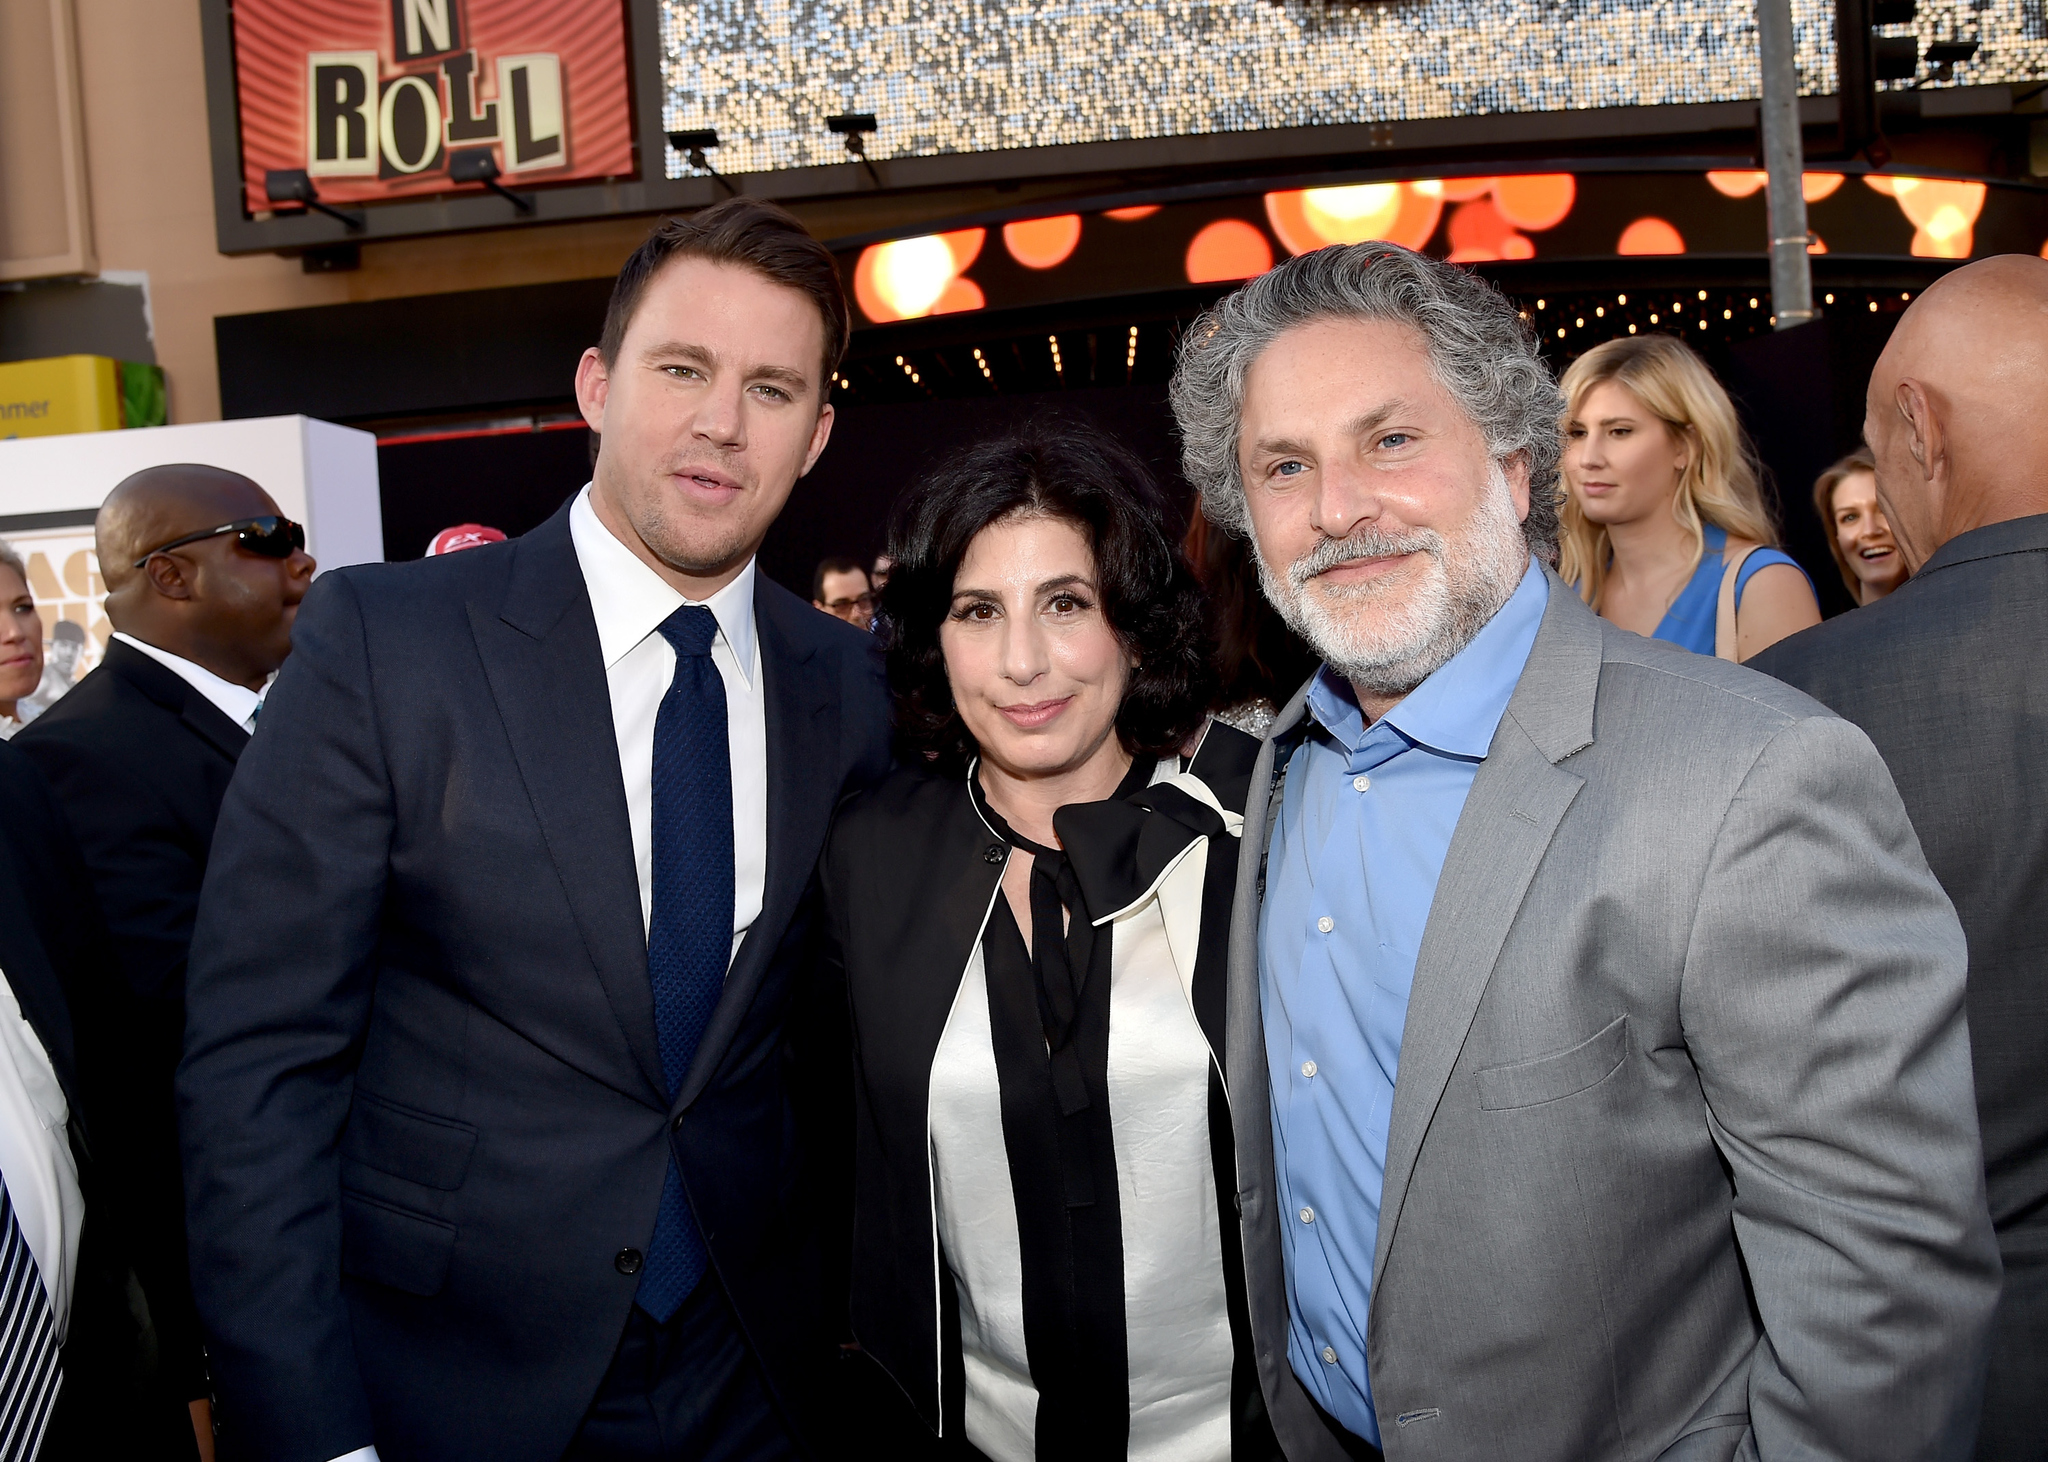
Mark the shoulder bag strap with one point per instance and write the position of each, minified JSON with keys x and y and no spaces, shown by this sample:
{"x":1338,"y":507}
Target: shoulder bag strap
{"x":1724,"y":612}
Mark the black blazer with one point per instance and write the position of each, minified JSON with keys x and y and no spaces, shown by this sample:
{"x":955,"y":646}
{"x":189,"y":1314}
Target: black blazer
{"x":57,"y":959}
{"x":1948,"y":676}
{"x":140,"y":761}
{"x":422,"y":1101}
{"x":911,"y":872}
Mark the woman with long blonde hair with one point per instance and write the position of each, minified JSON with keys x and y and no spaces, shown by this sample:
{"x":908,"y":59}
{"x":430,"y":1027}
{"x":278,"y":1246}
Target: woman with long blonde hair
{"x":1665,"y":528}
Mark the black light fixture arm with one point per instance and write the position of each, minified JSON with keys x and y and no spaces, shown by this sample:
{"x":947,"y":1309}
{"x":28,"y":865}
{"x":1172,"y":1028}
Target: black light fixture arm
{"x":692,"y":145}
{"x":853,"y":126}
{"x":295,"y":185}
{"x":480,"y":165}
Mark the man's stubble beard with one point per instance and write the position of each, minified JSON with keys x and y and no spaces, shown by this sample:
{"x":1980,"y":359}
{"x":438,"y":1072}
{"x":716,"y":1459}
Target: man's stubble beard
{"x":700,"y":546}
{"x":1387,"y":639}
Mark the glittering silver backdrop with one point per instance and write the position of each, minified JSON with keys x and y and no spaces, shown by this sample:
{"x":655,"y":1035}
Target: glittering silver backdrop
{"x":949,"y":76}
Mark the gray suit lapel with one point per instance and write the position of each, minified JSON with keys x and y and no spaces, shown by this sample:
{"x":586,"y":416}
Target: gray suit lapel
{"x":1517,"y":801}
{"x":1301,"y":1432}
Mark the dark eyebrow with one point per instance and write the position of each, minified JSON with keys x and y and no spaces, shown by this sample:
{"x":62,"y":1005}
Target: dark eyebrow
{"x":669,"y":350}
{"x":1049,"y":586}
{"x":783,"y":375}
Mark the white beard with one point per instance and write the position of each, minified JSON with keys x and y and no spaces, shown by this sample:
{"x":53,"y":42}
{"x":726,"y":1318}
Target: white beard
{"x":1385,"y":638}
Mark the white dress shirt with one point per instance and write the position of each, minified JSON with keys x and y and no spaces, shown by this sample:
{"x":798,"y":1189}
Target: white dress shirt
{"x":630,"y":600}
{"x":35,"y":1156}
{"x":237,"y":702}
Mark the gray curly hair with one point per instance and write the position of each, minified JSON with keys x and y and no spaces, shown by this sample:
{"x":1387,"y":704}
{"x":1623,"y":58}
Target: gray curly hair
{"x":1481,"y":350}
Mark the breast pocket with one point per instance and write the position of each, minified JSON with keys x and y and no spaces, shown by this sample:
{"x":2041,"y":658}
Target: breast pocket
{"x":416,"y":1146}
{"x":1556,"y":1076}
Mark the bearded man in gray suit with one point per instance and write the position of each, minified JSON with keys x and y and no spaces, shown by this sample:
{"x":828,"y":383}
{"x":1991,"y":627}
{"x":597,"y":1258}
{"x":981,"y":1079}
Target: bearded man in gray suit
{"x":1597,"y":1045}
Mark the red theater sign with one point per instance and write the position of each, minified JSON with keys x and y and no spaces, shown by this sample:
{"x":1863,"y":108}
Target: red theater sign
{"x":373,"y":97}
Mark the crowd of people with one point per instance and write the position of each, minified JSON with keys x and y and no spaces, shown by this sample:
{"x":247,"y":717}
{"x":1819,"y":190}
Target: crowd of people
{"x":1449,"y":958}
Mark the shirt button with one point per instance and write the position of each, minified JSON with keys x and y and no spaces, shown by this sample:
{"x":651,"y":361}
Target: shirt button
{"x":1308,"y":1215}
{"x":1308,"y":1068}
{"x":1361,"y":784}
{"x":1329,"y":1355}
{"x":1326,"y":924}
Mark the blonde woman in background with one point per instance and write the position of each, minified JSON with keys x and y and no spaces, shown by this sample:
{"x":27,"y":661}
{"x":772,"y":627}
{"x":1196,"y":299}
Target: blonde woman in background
{"x":21,"y":642}
{"x":1864,"y":549}
{"x":1665,"y":528}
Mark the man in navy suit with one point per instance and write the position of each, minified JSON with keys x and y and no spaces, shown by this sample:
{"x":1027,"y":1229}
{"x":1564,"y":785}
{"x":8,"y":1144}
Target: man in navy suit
{"x":493,"y":1100}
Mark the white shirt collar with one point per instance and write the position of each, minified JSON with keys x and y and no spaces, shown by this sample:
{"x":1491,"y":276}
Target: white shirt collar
{"x":237,"y":702}
{"x":630,"y":600}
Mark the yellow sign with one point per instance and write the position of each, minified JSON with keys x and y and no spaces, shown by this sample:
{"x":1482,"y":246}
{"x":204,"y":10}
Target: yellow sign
{"x":66,"y":393}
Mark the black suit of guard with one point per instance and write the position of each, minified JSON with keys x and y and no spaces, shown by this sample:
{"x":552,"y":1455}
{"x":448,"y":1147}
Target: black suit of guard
{"x":140,"y":760}
{"x":422,"y":1106}
{"x":54,"y":951}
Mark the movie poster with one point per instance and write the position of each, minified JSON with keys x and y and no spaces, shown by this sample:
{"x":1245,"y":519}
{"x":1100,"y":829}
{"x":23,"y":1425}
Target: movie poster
{"x":372,"y":98}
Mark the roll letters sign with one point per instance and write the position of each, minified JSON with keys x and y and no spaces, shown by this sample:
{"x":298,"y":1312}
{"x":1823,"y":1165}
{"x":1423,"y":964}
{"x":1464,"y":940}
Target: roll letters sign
{"x":373,"y":97}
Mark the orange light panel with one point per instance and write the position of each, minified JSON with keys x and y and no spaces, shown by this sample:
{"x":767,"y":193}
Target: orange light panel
{"x":1650,"y":236}
{"x":1816,"y":186}
{"x":1355,"y":213}
{"x":1736,"y":184}
{"x":905,"y":279}
{"x":1228,"y":249}
{"x":1537,"y":201}
{"x":1464,"y":190}
{"x":1132,"y":214}
{"x":1479,"y":235}
{"x":1042,"y":243}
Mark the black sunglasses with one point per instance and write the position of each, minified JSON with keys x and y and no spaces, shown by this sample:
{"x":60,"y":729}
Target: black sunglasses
{"x":271,"y":536}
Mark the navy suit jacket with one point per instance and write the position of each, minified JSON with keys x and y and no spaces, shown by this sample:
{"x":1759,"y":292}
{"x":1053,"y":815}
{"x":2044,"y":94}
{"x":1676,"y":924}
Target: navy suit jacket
{"x":421,"y":1103}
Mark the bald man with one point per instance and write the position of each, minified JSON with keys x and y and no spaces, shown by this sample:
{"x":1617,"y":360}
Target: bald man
{"x":1949,"y":676}
{"x":203,"y":578}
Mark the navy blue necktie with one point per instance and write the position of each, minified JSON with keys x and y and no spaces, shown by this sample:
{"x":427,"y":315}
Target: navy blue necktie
{"x":689,"y":936}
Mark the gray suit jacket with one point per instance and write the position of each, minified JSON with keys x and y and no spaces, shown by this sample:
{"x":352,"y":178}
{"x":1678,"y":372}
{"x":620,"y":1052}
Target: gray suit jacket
{"x":1683,"y":1160}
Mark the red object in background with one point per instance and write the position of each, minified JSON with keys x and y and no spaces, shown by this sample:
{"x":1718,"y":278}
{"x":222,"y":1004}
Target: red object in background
{"x":1228,"y":249}
{"x":1650,"y":236}
{"x":370,"y":97}
{"x":1479,"y":235}
{"x":461,"y":536}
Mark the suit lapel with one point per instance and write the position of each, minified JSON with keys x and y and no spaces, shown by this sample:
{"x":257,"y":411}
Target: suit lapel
{"x":804,"y":773}
{"x":541,"y":656}
{"x":174,"y":693}
{"x":1517,"y":801}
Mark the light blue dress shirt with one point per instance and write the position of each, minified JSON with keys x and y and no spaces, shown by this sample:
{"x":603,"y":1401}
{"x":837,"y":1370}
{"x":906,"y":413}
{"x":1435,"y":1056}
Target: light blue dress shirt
{"x":1365,"y":821}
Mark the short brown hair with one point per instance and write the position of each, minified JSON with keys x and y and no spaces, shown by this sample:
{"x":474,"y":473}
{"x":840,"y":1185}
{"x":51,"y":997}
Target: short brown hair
{"x":744,"y":231}
{"x":1859,"y":460}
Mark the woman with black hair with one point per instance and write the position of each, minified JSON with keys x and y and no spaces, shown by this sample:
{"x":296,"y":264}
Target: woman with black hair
{"x":1033,"y":920}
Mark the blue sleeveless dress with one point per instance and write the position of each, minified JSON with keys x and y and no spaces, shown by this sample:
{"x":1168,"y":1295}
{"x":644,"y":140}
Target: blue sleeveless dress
{"x":1689,"y":622}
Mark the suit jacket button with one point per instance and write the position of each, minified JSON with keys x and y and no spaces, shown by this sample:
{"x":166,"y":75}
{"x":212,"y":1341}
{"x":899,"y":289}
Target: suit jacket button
{"x":628,"y":1262}
{"x":677,"y":1124}
{"x":993,"y":853}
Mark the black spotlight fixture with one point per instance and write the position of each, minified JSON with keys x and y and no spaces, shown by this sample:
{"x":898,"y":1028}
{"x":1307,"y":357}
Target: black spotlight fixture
{"x":854,"y":127}
{"x":693,"y":145}
{"x":480,"y":165}
{"x":295,"y":185}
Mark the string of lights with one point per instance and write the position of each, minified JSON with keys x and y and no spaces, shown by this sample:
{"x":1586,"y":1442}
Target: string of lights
{"x":1566,"y":324}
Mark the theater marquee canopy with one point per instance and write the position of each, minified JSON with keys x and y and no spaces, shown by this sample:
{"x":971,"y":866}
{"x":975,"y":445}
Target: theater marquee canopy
{"x":375,"y":98}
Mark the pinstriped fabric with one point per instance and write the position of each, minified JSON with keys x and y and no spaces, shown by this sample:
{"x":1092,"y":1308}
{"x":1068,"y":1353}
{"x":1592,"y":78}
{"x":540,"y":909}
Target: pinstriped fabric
{"x":29,"y":1375}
